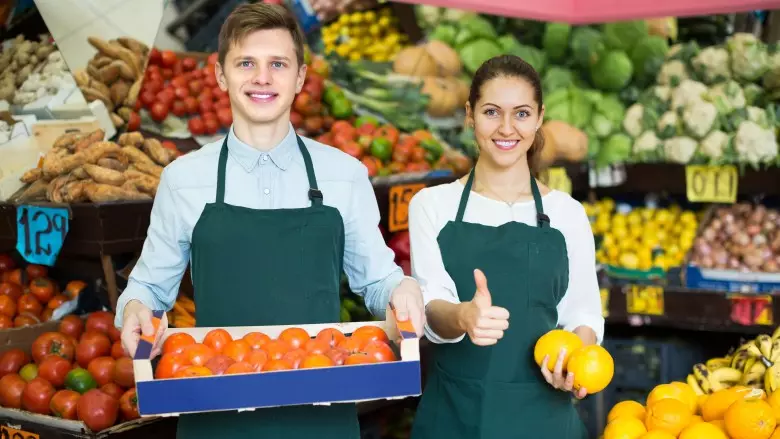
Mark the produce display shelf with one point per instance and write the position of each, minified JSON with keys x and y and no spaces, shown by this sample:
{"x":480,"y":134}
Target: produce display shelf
{"x":697,"y":310}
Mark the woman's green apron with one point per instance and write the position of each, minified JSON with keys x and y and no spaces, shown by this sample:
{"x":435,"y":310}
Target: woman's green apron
{"x":268,"y":267}
{"x":498,"y":392}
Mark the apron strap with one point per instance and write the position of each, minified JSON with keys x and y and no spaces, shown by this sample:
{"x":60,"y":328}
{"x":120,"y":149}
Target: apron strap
{"x":223,"y":155}
{"x":542,"y":220}
{"x":315,"y":195}
{"x":464,"y":197}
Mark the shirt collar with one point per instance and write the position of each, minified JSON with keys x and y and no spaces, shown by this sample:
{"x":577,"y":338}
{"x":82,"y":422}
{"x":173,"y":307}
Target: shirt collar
{"x":281,"y":155}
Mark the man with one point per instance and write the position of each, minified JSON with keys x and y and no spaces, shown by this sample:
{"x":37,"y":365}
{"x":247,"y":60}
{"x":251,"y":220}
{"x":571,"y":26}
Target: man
{"x":268,"y":220}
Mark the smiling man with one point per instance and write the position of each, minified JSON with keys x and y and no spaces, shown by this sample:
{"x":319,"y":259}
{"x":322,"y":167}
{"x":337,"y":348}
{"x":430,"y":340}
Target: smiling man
{"x":268,"y":221}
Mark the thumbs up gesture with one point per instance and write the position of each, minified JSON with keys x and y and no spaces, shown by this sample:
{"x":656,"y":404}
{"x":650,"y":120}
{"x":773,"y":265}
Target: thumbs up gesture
{"x":484,"y":323}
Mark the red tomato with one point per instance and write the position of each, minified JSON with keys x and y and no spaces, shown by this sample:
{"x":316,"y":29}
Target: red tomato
{"x":175,"y":343}
{"x":99,"y":321}
{"x":72,"y":326}
{"x":177,"y":69}
{"x":123,"y":372}
{"x":210,"y":78}
{"x":7,"y":306}
{"x":12,"y":290}
{"x":92,"y":345}
{"x":180,"y":82}
{"x":196,"y":126}
{"x":11,"y":388}
{"x":155,"y":57}
{"x":219,"y":94}
{"x":205,"y":95}
{"x":196,"y":87}
{"x":379,"y":351}
{"x":212,"y":126}
{"x":35,"y":271}
{"x":12,"y":360}
{"x":63,"y":404}
{"x":6,"y":322}
{"x":206,"y":106}
{"x":42,"y":289}
{"x":135,"y":122}
{"x":168,"y":58}
{"x":159,"y":111}
{"x":225,"y":117}
{"x":224,"y":103}
{"x":29,"y":304}
{"x":181,"y":92}
{"x":56,"y":301}
{"x":54,"y":369}
{"x":148,"y":98}
{"x":331,"y":336}
{"x":37,"y":395}
{"x":26,"y":319}
{"x":113,"y":390}
{"x":102,"y":370}
{"x":169,"y":364}
{"x":217,"y":339}
{"x":179,"y":108}
{"x":189,"y":64}
{"x":191,"y":103}
{"x":6,"y":263}
{"x":97,"y":410}
{"x":212,"y":59}
{"x":128,"y":405}
{"x":117,"y":351}
{"x":52,"y":343}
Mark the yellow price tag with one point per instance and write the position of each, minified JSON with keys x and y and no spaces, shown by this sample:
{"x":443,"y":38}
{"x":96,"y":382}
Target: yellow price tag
{"x":605,"y":302}
{"x":12,"y":433}
{"x":711,"y":184}
{"x":558,"y":179}
{"x":645,"y":299}
{"x":398,"y":212}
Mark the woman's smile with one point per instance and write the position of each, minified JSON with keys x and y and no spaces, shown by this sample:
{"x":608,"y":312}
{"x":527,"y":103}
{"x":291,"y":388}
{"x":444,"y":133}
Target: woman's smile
{"x":506,"y":144}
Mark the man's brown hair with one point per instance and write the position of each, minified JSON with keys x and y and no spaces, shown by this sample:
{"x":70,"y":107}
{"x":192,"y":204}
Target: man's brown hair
{"x":248,"y":18}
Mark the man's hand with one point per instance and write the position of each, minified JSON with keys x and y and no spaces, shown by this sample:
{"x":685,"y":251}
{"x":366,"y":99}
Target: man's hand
{"x":408,"y":303}
{"x":484,"y":323}
{"x":556,"y":378}
{"x":137,"y":320}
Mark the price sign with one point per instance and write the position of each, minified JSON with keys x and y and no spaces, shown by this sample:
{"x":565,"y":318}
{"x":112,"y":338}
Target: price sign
{"x":398,"y":212}
{"x":12,"y":433}
{"x":40,"y":233}
{"x":752,"y":310}
{"x":605,"y":302}
{"x":558,"y":179}
{"x":645,"y":299}
{"x":711,"y":184}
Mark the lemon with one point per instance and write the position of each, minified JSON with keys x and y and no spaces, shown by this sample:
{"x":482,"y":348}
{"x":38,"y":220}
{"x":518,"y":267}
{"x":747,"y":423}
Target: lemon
{"x":343,"y":50}
{"x":356,"y":18}
{"x":344,"y":19}
{"x":369,"y":16}
{"x":629,"y":260}
{"x":384,"y":22}
{"x":374,"y":30}
{"x":620,"y":232}
{"x":354,"y":56}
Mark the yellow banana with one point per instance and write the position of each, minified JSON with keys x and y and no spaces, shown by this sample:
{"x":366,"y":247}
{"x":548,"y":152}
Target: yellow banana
{"x":749,"y":362}
{"x":702,"y":375}
{"x":753,"y":349}
{"x":775,"y":350}
{"x":739,"y":359}
{"x":691,"y":380}
{"x":772,"y":378}
{"x":715,"y":363}
{"x":724,"y":378}
{"x":764,"y":343}
{"x":776,"y":333}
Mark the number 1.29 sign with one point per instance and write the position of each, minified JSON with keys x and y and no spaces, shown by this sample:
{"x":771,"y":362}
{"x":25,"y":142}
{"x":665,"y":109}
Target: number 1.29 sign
{"x":40,"y":233}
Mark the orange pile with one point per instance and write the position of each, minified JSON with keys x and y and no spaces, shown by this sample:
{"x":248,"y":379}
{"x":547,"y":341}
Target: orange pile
{"x":219,"y":353}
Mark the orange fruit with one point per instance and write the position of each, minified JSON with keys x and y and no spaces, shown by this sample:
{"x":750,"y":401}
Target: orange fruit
{"x":276,"y":349}
{"x":719,"y":423}
{"x":192,"y":371}
{"x":657,"y":434}
{"x":256,"y":340}
{"x":237,"y":350}
{"x":750,"y":418}
{"x":295,"y":337}
{"x":240,"y":367}
{"x":624,"y":428}
{"x":551,"y":343}
{"x":695,"y":419}
{"x":312,"y":361}
{"x":626,"y":408}
{"x":776,"y":434}
{"x":592,"y":367}
{"x":675,"y":390}
{"x":216,"y":339}
{"x":700,"y":400}
{"x":702,"y":430}
{"x":774,"y":401}
{"x":716,"y":405}
{"x":669,"y":415}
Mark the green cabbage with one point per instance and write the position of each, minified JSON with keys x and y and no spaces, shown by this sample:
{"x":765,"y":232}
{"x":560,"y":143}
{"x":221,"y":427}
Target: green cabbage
{"x":556,"y":40}
{"x":612,"y":72}
{"x":623,"y":35}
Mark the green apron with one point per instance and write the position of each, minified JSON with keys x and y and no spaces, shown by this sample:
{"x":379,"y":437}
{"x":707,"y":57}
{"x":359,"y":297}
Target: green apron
{"x":498,"y":392}
{"x":268,"y":267}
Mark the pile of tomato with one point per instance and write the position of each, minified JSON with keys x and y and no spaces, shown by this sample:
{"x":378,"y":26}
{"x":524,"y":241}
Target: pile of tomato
{"x":28,"y":296}
{"x":219,"y":353}
{"x":180,"y":86}
{"x":79,"y":372}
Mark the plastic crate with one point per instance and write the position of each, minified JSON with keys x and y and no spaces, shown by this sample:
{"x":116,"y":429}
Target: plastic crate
{"x":642,"y":363}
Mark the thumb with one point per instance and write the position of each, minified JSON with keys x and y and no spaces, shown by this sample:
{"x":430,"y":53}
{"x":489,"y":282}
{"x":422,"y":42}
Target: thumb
{"x":482,"y":295}
{"x":145,"y":320}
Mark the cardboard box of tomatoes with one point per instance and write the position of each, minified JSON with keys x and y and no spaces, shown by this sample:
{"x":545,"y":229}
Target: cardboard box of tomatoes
{"x":248,"y":368}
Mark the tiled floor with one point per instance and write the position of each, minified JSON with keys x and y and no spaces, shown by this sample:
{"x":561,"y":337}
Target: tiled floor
{"x":72,"y":21}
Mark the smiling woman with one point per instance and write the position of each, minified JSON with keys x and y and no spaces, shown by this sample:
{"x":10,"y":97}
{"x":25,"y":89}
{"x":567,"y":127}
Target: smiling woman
{"x":535,"y":246}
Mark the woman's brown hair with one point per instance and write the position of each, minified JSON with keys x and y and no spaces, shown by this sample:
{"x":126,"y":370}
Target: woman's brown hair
{"x":513,"y":67}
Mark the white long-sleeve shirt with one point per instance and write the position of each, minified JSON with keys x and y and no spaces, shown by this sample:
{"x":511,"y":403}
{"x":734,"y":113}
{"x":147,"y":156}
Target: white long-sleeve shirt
{"x":431,"y":209}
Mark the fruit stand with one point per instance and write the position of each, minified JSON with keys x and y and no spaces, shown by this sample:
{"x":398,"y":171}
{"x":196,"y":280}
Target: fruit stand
{"x":665,"y":129}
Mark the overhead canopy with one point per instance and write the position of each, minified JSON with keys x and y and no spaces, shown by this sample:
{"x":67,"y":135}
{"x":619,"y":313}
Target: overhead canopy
{"x":599,"y":11}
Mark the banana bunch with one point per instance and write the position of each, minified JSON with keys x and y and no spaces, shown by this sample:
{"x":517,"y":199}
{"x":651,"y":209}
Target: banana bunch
{"x":755,"y":363}
{"x":183,"y":313}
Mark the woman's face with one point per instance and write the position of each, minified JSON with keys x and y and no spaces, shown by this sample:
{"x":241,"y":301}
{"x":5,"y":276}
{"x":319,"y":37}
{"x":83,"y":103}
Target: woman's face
{"x":505,"y":119}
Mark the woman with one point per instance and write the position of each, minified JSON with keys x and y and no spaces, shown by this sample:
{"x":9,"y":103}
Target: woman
{"x":533,"y":244}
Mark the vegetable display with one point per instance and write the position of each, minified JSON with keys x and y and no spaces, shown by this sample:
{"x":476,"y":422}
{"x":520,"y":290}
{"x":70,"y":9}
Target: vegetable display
{"x":30,"y":70}
{"x":79,"y":372}
{"x":371,"y":35}
{"x":84,"y":167}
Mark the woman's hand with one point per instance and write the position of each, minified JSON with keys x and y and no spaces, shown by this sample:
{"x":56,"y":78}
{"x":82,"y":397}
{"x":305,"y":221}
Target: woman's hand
{"x":484,"y":323}
{"x":556,"y":378}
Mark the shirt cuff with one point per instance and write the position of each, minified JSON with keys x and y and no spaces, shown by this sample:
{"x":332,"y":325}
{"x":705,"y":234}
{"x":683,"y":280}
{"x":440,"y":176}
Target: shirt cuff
{"x":133,"y":291}
{"x":592,"y":322}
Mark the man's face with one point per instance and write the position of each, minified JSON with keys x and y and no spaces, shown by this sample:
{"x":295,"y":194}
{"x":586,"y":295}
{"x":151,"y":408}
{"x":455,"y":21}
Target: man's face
{"x":262,"y":76}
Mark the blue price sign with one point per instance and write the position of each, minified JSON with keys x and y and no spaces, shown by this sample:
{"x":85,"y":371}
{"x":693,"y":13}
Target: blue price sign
{"x":40,"y":233}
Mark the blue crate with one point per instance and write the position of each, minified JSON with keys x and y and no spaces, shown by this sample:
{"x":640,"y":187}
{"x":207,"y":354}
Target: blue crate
{"x":642,"y":363}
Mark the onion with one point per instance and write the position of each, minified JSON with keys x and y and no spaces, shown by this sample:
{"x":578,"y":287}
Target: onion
{"x":741,"y":239}
{"x":753,"y":229}
{"x":734,"y":263}
{"x":710,"y":234}
{"x":731,"y":229}
{"x":703,"y":248}
{"x":759,"y":239}
{"x":706,"y":262}
{"x":716,"y":224}
{"x":720,"y":256}
{"x":728,"y":218}
{"x":771,"y":266}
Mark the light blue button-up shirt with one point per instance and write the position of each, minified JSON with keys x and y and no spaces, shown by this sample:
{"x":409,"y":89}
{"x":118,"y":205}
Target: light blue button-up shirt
{"x":261,"y":180}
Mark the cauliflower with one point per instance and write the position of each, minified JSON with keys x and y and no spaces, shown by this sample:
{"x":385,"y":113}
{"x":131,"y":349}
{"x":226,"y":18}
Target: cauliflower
{"x":755,"y":144}
{"x":688,"y":92}
{"x":699,"y":118}
{"x":749,"y":57}
{"x":632,"y":123}
{"x":753,"y":93}
{"x":672,"y":73}
{"x":714,"y":145}
{"x":712,"y":65}
{"x":759,"y":116}
{"x":667,"y":125}
{"x":727,"y":97}
{"x":646,"y":143}
{"x":662,"y":92}
{"x":680,"y":149}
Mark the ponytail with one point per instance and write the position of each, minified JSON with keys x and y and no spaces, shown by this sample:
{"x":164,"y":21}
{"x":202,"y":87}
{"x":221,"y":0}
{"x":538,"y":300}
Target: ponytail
{"x":534,"y":155}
